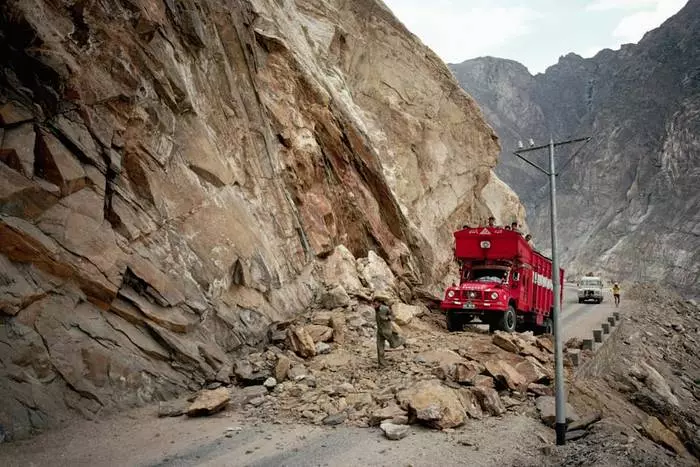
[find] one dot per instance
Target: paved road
(579, 319)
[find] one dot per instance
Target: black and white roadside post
(560, 394)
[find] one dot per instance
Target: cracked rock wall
(172, 171)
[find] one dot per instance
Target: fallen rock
(247, 376)
(532, 371)
(300, 342)
(376, 274)
(277, 331)
(389, 412)
(173, 408)
(209, 402)
(433, 404)
(340, 268)
(467, 372)
(404, 314)
(297, 372)
(319, 333)
(270, 383)
(506, 341)
(506, 375)
(440, 357)
(322, 348)
(533, 351)
(545, 343)
(394, 432)
(484, 381)
(335, 297)
(338, 325)
(657, 432)
(249, 393)
(576, 434)
(335, 419)
(471, 404)
(321, 318)
(489, 400)
(540, 389)
(547, 409)
(584, 422)
(282, 367)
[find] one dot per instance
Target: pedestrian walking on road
(616, 293)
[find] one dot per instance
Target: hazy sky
(535, 35)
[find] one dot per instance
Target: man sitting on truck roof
(492, 221)
(514, 226)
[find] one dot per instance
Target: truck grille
(471, 295)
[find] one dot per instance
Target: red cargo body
(503, 281)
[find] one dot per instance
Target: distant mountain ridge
(629, 204)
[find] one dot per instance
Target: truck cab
(590, 288)
(503, 282)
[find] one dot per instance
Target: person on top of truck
(528, 238)
(514, 226)
(492, 221)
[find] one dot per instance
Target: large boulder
(209, 402)
(506, 375)
(489, 400)
(433, 404)
(334, 297)
(376, 275)
(533, 371)
(300, 342)
(319, 333)
(340, 268)
(403, 314)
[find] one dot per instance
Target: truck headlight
(494, 296)
(450, 293)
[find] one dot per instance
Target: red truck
(503, 282)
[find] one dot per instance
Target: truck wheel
(454, 322)
(508, 321)
(580, 300)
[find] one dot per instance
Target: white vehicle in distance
(590, 288)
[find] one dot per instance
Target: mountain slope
(172, 173)
(628, 204)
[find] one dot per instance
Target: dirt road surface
(140, 438)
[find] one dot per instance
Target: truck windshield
(591, 283)
(485, 275)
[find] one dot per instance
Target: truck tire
(580, 300)
(508, 321)
(454, 322)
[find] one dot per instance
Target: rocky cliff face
(629, 205)
(173, 172)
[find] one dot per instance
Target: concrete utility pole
(560, 426)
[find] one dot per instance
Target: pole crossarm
(531, 163)
(560, 143)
